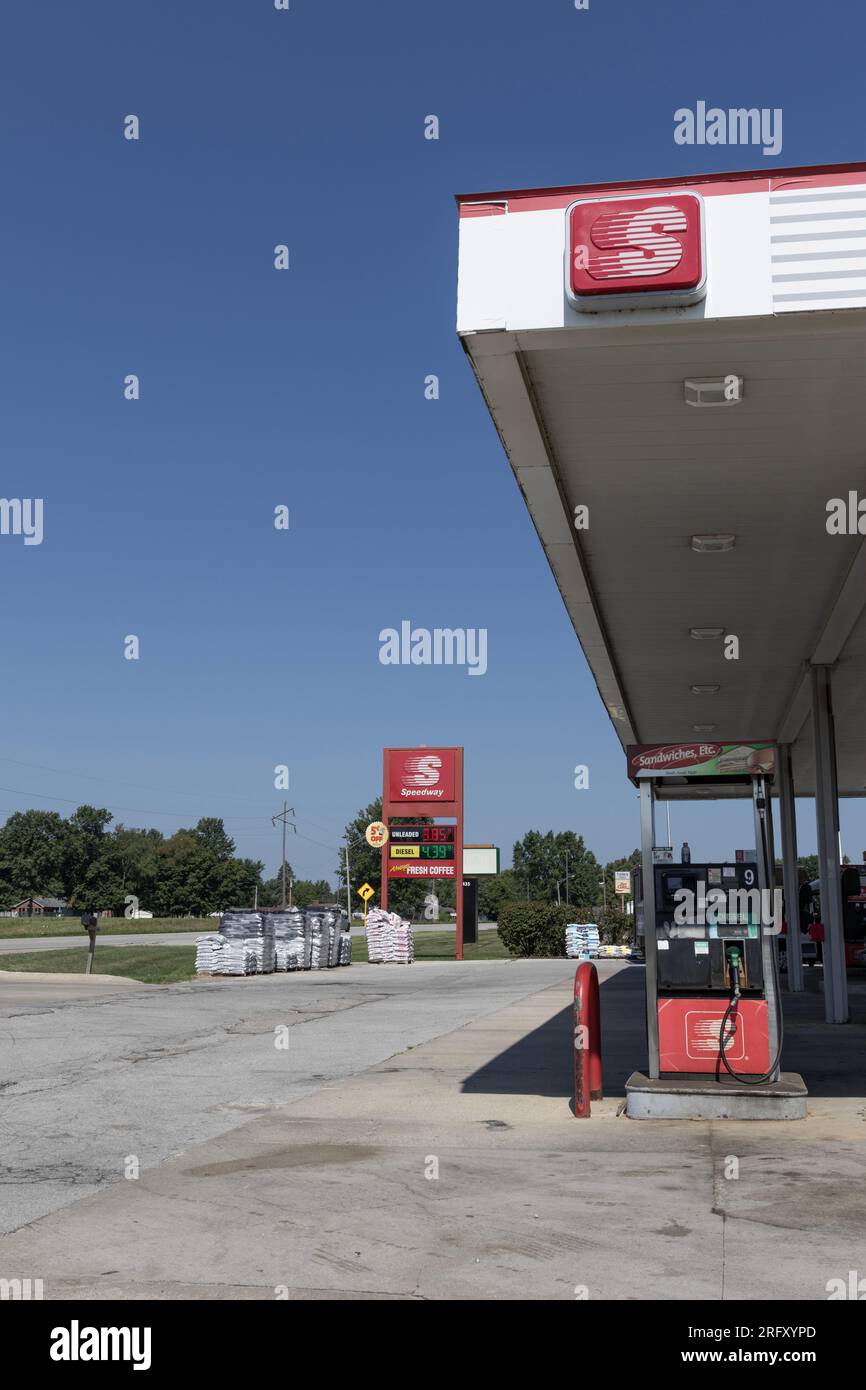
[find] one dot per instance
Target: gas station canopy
(705, 430)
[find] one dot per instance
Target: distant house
(40, 907)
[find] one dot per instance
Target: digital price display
(429, 850)
(423, 834)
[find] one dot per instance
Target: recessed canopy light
(713, 390)
(706, 544)
(704, 728)
(705, 689)
(701, 633)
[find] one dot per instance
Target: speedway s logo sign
(632, 253)
(421, 774)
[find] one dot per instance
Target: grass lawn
(159, 965)
(18, 927)
(153, 965)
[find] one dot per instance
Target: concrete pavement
(446, 1169)
(146, 1070)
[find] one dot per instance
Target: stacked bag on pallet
(581, 940)
(208, 952)
(290, 939)
(320, 940)
(248, 943)
(257, 943)
(389, 938)
(334, 921)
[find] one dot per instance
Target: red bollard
(587, 1040)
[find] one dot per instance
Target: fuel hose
(735, 998)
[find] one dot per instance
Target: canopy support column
(647, 841)
(790, 877)
(827, 817)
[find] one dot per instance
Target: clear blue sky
(306, 388)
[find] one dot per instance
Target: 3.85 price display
(422, 834)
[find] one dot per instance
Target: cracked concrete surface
(125, 1070)
(418, 1145)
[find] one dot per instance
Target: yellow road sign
(366, 892)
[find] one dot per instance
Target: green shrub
(538, 928)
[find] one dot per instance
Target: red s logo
(623, 246)
(636, 244)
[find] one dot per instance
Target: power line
(127, 810)
(123, 782)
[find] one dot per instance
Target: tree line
(97, 866)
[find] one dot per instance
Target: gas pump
(711, 1000)
(709, 933)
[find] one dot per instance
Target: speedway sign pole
(424, 782)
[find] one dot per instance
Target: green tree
(85, 844)
(33, 856)
(493, 892)
(272, 888)
(198, 874)
(240, 879)
(307, 891)
(541, 861)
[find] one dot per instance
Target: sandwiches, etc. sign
(701, 759)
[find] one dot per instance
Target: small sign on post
(366, 892)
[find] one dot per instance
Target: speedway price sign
(420, 783)
(421, 851)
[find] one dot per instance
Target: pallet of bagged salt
(248, 947)
(289, 939)
(389, 938)
(319, 935)
(208, 951)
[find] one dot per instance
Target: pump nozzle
(734, 963)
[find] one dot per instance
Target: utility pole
(348, 888)
(286, 811)
(566, 878)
